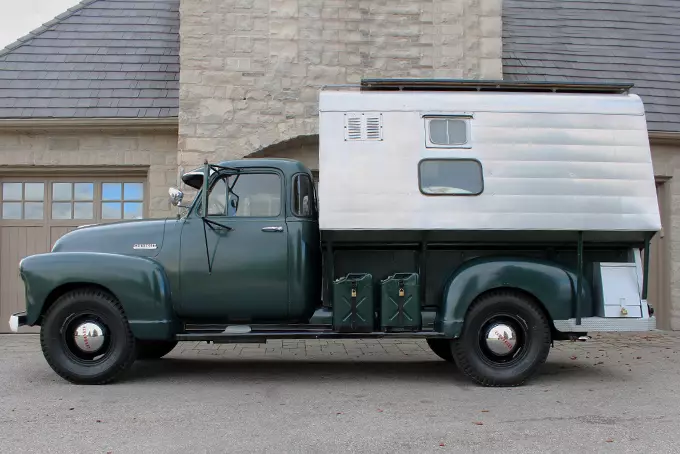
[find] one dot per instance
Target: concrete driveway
(616, 393)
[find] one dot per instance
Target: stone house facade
(107, 105)
(251, 70)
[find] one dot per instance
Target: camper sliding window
(444, 131)
(450, 177)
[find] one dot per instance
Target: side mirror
(176, 196)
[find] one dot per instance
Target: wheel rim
(86, 338)
(502, 340)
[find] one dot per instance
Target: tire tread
(459, 349)
(102, 295)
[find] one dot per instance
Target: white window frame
(466, 117)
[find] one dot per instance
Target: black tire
(118, 350)
(441, 348)
(154, 349)
(525, 317)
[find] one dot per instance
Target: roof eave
(32, 124)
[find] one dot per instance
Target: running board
(243, 336)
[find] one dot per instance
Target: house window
(122, 200)
(448, 132)
(23, 200)
(450, 177)
(72, 200)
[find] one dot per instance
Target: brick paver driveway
(616, 393)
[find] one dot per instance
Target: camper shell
(488, 218)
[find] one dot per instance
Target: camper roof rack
(492, 85)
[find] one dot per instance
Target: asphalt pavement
(615, 393)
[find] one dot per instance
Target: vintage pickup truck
(489, 219)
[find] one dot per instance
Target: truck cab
(488, 219)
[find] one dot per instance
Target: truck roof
(194, 178)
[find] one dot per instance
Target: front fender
(139, 284)
(551, 284)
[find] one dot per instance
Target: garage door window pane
(83, 210)
(33, 210)
(11, 210)
(84, 191)
(451, 177)
(61, 191)
(11, 191)
(111, 210)
(133, 210)
(112, 191)
(134, 191)
(61, 210)
(34, 191)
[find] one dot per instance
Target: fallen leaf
(479, 423)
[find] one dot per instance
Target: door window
(246, 195)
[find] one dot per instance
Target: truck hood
(138, 237)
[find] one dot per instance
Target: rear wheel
(153, 349)
(86, 339)
(505, 339)
(441, 348)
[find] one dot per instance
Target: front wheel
(86, 339)
(505, 339)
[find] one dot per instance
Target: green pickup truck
(488, 220)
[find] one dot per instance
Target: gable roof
(100, 59)
(635, 41)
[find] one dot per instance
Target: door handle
(272, 229)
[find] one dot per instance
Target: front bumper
(17, 320)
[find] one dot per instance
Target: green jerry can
(353, 303)
(400, 303)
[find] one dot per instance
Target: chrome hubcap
(89, 337)
(501, 339)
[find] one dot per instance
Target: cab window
(246, 195)
(303, 197)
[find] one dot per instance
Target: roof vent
(363, 126)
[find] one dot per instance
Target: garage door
(35, 212)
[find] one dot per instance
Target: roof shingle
(635, 41)
(101, 58)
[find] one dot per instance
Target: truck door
(234, 265)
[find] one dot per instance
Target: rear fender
(550, 284)
(139, 284)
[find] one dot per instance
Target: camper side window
(448, 132)
(450, 177)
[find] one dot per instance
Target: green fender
(139, 284)
(551, 284)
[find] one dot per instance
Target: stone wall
(251, 69)
(152, 152)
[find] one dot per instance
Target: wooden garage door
(35, 212)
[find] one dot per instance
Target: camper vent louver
(363, 126)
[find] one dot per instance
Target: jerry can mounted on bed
(353, 309)
(400, 303)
